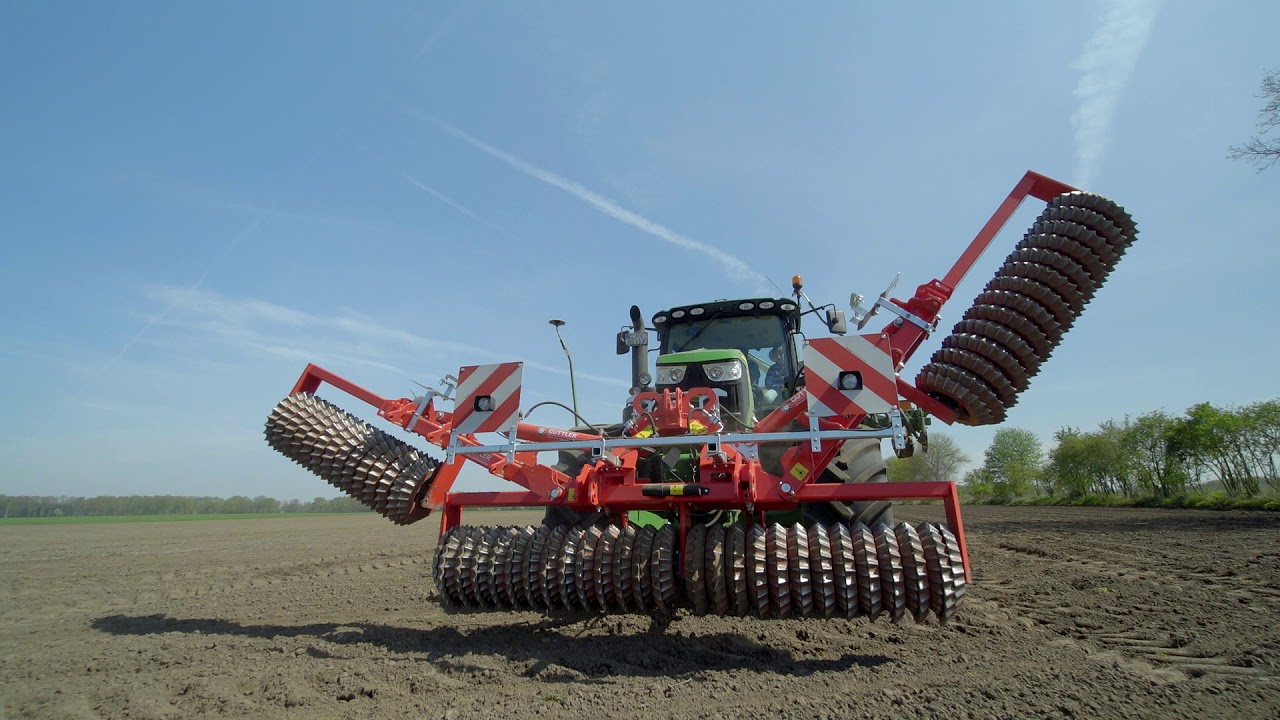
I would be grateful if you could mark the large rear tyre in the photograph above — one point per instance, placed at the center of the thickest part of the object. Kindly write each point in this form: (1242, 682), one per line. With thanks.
(859, 461)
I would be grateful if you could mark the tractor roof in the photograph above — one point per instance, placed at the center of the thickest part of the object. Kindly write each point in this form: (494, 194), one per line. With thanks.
(728, 308)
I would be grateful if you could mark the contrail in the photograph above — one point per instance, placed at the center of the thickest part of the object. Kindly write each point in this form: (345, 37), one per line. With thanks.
(732, 266)
(451, 203)
(444, 29)
(235, 240)
(1105, 65)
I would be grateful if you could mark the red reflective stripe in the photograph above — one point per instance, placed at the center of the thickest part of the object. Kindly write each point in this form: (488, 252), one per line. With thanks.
(466, 406)
(502, 417)
(465, 372)
(491, 383)
(883, 387)
(836, 401)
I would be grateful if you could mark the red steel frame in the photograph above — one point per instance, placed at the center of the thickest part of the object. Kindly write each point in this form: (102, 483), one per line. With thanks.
(728, 479)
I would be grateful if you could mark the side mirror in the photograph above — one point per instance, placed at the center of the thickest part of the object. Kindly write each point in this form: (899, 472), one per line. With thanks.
(623, 348)
(836, 322)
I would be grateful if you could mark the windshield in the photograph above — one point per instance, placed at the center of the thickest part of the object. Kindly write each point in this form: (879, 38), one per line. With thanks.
(762, 339)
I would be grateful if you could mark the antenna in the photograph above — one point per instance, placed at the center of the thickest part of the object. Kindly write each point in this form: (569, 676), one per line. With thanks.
(775, 286)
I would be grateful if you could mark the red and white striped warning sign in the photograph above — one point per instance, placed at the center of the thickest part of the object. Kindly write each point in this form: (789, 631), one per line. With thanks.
(850, 375)
(488, 398)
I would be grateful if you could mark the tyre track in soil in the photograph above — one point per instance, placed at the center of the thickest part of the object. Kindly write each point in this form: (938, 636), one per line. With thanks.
(1158, 590)
(170, 574)
(1075, 613)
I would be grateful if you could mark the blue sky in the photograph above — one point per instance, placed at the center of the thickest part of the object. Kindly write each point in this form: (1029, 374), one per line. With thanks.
(198, 199)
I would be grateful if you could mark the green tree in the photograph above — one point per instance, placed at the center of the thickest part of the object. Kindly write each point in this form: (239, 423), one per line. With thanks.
(1088, 463)
(944, 458)
(343, 503)
(1234, 447)
(1069, 469)
(1115, 471)
(1013, 463)
(1153, 453)
(940, 462)
(1263, 422)
(264, 504)
(977, 483)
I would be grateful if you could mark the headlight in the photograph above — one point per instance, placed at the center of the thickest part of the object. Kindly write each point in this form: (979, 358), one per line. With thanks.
(723, 371)
(670, 374)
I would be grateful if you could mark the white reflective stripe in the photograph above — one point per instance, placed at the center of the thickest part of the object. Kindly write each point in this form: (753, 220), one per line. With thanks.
(865, 348)
(819, 365)
(468, 420)
(481, 421)
(479, 374)
(858, 345)
(872, 359)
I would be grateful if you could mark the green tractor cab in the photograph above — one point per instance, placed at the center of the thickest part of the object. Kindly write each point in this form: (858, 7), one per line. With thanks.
(748, 352)
(744, 350)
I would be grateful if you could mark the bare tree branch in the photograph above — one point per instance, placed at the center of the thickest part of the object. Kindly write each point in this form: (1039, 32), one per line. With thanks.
(1260, 150)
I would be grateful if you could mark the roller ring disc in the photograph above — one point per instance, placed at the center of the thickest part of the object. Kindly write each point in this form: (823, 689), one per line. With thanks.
(993, 352)
(975, 401)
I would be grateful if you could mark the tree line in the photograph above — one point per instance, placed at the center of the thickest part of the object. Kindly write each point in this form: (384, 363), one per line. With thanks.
(15, 506)
(1228, 451)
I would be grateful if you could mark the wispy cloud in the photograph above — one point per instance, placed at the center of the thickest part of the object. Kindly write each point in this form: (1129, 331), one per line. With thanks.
(731, 265)
(1105, 65)
(454, 204)
(347, 337)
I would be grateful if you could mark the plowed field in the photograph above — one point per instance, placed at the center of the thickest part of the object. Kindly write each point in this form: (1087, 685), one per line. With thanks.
(1074, 613)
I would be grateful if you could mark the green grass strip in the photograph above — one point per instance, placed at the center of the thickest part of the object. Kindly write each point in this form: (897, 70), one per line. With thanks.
(1190, 502)
(93, 519)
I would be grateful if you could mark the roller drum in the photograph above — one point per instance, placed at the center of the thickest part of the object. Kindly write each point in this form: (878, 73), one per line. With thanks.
(1018, 319)
(801, 571)
(383, 472)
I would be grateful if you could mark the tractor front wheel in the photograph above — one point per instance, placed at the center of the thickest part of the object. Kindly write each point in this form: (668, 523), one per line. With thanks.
(859, 461)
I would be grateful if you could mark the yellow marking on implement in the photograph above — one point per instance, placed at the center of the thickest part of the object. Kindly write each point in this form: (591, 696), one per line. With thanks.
(573, 493)
(799, 471)
(677, 490)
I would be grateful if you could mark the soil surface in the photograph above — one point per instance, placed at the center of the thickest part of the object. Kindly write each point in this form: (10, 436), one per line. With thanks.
(1073, 613)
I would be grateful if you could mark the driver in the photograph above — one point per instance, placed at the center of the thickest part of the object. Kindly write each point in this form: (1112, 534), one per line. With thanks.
(776, 377)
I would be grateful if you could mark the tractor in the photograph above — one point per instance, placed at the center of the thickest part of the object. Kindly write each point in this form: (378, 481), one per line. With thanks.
(748, 352)
(746, 477)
